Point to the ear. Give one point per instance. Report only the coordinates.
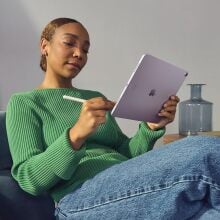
(44, 46)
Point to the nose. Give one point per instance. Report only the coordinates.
(77, 52)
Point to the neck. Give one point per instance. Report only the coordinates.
(51, 82)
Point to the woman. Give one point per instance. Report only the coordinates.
(78, 154)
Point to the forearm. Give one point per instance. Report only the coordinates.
(141, 142)
(43, 170)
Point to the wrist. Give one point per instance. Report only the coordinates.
(153, 126)
(75, 139)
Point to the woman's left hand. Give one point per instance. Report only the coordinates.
(167, 113)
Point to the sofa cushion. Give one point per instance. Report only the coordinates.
(14, 202)
(5, 156)
(17, 204)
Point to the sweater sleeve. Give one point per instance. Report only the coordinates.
(141, 142)
(35, 167)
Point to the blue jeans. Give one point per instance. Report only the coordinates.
(177, 181)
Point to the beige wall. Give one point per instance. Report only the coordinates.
(184, 32)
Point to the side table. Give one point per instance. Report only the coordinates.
(171, 137)
(174, 137)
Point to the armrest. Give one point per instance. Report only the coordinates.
(17, 204)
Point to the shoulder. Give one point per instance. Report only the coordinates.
(21, 100)
(21, 97)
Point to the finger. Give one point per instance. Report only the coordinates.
(175, 98)
(99, 103)
(93, 121)
(91, 113)
(169, 109)
(169, 116)
(99, 113)
(99, 120)
(97, 99)
(100, 100)
(170, 103)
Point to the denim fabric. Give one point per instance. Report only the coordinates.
(177, 181)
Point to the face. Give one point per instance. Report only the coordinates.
(67, 51)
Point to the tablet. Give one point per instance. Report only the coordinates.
(150, 85)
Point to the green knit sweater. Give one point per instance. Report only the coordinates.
(43, 159)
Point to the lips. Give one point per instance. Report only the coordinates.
(75, 65)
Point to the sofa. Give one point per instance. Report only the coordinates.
(16, 204)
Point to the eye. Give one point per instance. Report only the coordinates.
(69, 44)
(86, 51)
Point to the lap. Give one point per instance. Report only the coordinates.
(152, 175)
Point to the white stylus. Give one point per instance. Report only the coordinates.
(73, 98)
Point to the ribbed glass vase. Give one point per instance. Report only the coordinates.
(195, 114)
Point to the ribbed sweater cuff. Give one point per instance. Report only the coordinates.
(64, 159)
(152, 135)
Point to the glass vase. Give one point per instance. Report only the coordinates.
(195, 114)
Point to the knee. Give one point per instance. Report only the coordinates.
(207, 143)
(196, 148)
(201, 143)
(206, 148)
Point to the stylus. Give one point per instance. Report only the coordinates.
(73, 98)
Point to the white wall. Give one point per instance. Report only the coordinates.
(184, 32)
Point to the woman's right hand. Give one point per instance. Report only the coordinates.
(92, 115)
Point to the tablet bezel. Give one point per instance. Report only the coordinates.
(151, 73)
